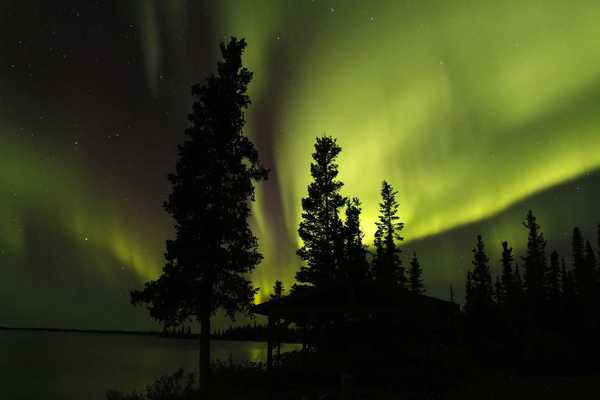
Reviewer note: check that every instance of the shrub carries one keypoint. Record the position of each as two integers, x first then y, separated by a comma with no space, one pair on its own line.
178,386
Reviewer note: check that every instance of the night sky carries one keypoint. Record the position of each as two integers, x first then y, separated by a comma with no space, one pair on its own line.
475,111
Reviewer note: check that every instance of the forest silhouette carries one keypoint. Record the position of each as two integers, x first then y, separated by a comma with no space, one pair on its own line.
537,316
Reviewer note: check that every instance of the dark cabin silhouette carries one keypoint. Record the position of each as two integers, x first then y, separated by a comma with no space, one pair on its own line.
363,327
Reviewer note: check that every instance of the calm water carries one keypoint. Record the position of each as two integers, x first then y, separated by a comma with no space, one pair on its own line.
75,366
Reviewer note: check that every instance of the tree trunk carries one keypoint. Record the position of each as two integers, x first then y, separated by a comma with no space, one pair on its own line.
270,337
204,359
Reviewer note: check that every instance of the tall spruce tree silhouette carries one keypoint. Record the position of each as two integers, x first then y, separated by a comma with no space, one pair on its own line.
564,278
553,286
570,310
212,189
583,274
535,266
518,283
589,284
468,293
415,276
598,243
355,259
587,289
568,288
479,301
387,265
590,260
321,228
507,279
515,302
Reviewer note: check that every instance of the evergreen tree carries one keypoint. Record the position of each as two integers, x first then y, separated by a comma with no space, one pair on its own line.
535,264
499,291
387,264
568,292
584,268
277,290
480,300
469,293
415,276
590,260
321,228
598,243
578,263
598,261
586,278
356,266
554,284
563,277
518,284
598,238
569,287
214,250
572,313
507,278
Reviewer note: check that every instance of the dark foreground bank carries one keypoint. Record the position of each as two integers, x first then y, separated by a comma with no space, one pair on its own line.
250,381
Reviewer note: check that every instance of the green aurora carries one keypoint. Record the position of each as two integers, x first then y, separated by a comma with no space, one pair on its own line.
473,110
466,107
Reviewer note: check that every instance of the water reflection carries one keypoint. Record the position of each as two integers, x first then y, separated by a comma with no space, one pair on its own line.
70,366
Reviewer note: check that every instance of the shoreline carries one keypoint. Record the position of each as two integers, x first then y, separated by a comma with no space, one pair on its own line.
77,330
128,332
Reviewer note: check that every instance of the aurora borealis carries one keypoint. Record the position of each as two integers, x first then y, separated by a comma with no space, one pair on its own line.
474,110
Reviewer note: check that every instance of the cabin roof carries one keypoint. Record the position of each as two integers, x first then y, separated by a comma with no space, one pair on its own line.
363,298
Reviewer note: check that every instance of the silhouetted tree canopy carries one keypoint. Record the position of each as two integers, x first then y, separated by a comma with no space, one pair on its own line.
387,265
590,261
582,276
564,279
535,264
321,228
479,282
468,291
598,238
212,189
568,288
553,281
415,276
508,293
355,259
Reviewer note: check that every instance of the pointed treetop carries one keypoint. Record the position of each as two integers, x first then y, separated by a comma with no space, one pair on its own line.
321,228
415,276
387,264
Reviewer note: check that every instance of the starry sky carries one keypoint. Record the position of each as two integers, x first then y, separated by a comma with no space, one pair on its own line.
475,111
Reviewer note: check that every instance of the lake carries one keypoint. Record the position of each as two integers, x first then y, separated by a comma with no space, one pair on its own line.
74,366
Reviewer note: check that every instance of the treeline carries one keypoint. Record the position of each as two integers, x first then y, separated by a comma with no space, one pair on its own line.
179,332
258,332
333,249
538,311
